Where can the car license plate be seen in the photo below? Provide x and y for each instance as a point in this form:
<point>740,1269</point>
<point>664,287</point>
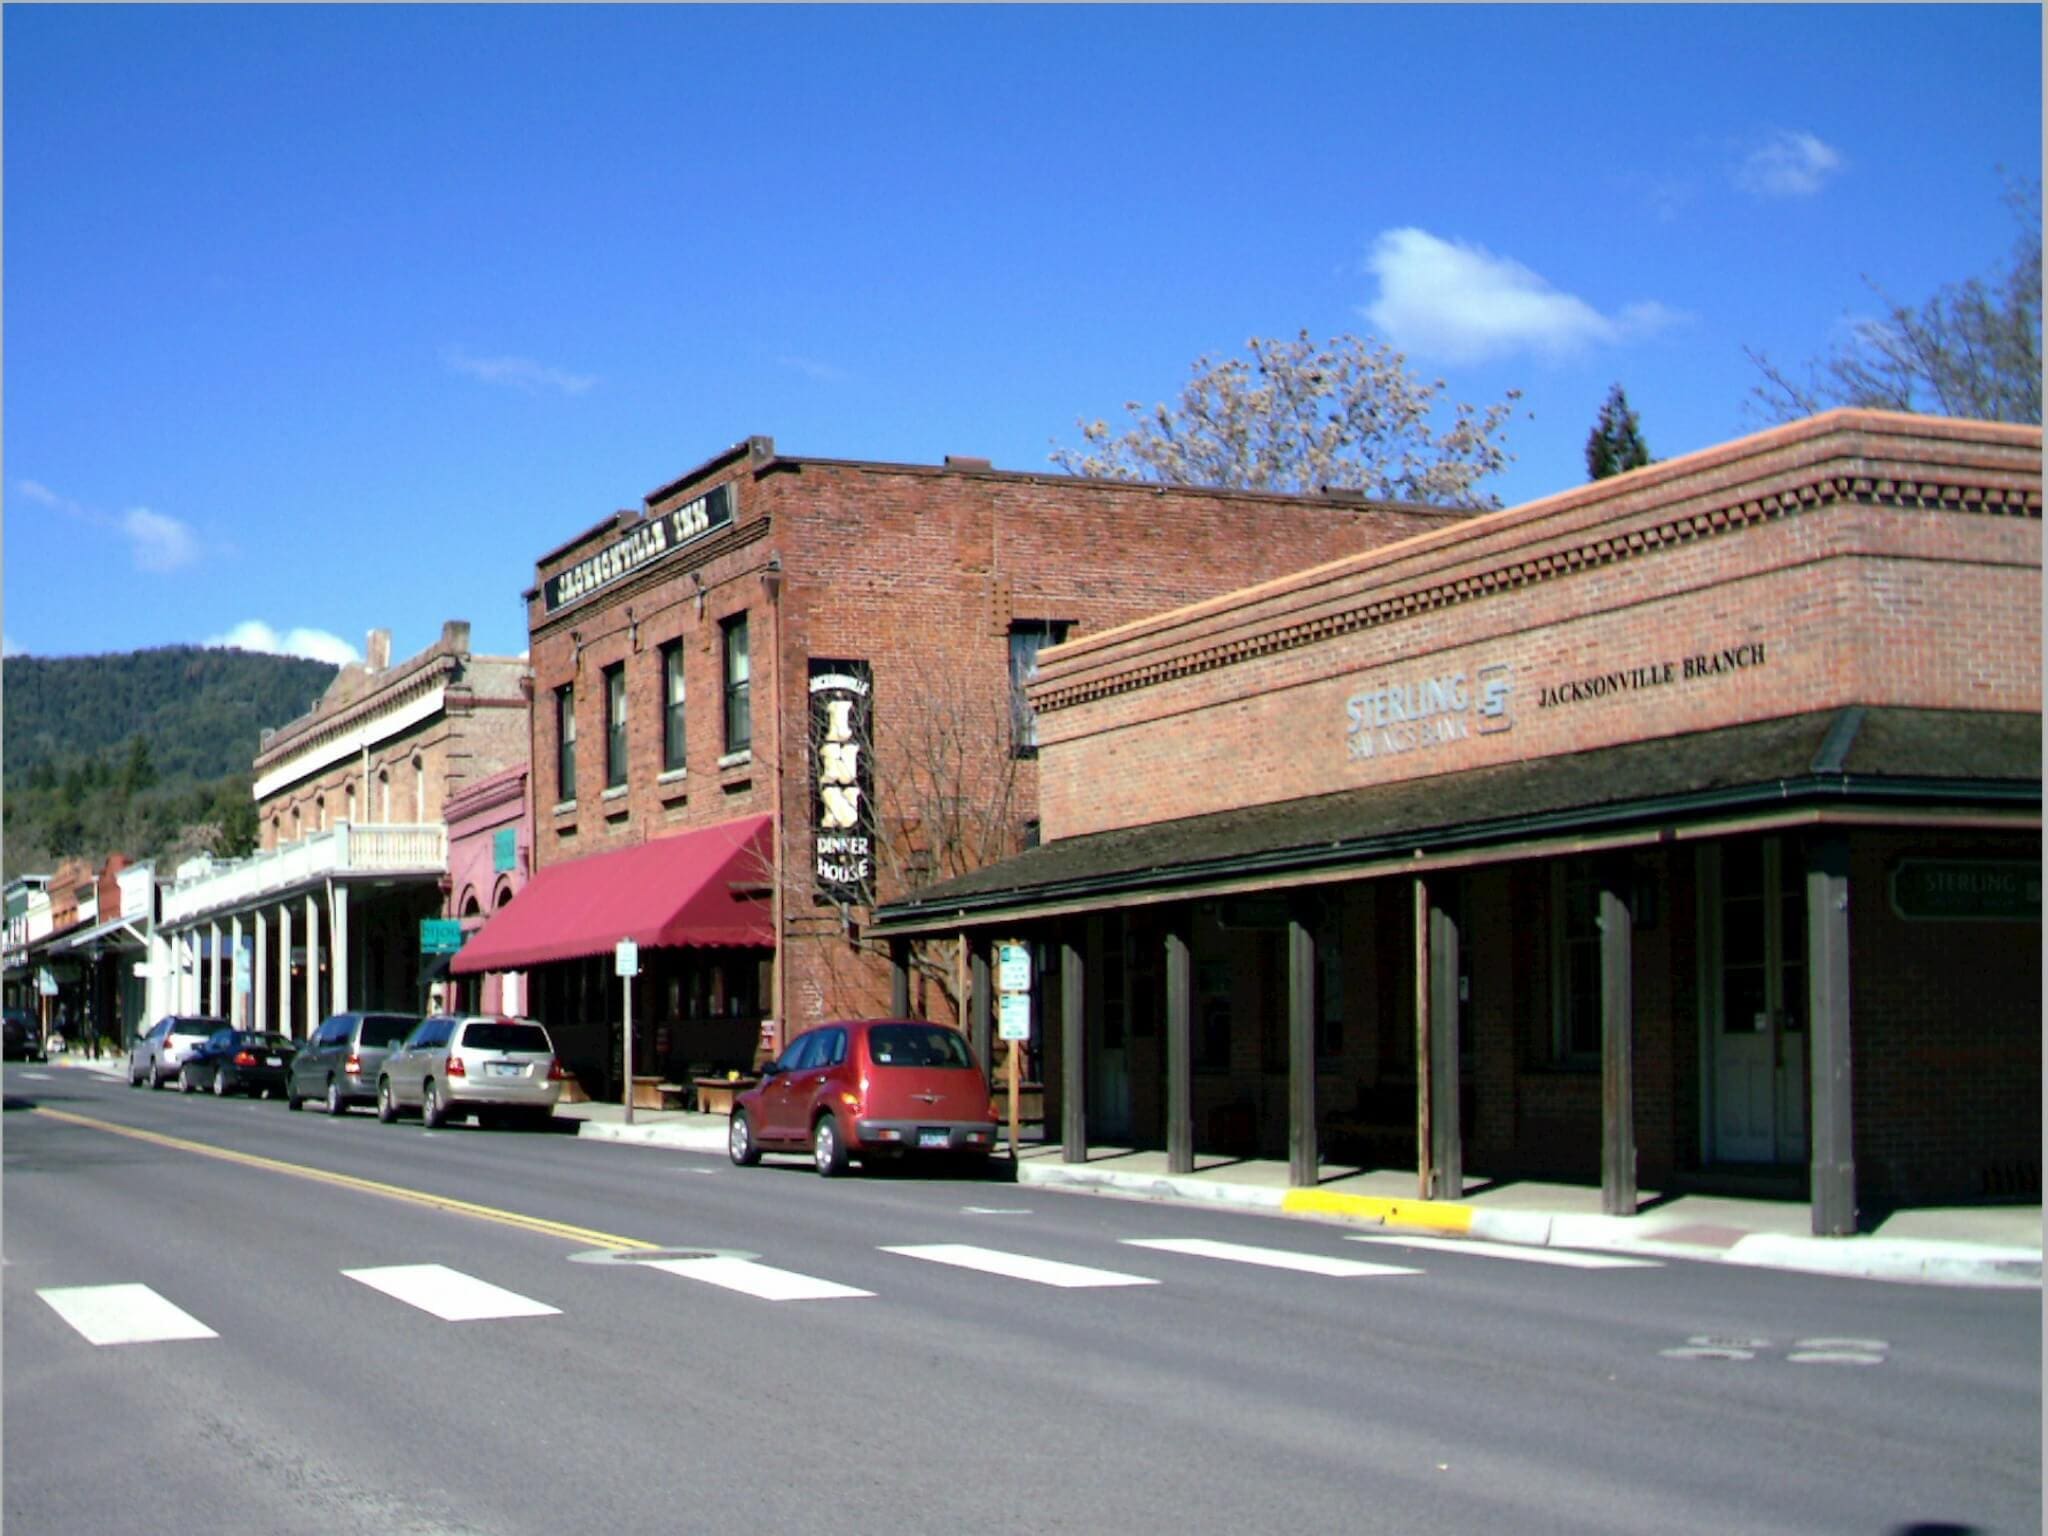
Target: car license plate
<point>933,1139</point>
<point>505,1069</point>
<point>273,1061</point>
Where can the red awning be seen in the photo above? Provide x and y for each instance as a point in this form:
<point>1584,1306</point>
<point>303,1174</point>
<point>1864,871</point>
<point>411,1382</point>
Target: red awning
<point>708,888</point>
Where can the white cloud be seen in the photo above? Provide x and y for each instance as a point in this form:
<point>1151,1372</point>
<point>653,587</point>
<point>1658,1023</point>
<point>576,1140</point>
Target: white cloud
<point>156,542</point>
<point>810,368</point>
<point>36,491</point>
<point>1788,165</point>
<point>1463,303</point>
<point>8,647</point>
<point>314,644</point>
<point>519,373</point>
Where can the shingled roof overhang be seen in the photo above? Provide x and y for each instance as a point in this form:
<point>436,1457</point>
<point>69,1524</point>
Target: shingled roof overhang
<point>1873,765</point>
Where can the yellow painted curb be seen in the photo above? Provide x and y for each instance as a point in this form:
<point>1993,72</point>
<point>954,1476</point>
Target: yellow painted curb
<point>1433,1215</point>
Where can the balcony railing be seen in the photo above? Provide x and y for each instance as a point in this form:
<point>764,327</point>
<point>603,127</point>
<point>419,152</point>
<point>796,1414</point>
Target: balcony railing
<point>343,849</point>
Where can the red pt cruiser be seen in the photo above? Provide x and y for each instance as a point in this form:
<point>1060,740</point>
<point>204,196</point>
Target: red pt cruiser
<point>867,1088</point>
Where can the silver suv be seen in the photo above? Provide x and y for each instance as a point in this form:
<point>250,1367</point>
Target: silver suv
<point>454,1066</point>
<point>339,1065</point>
<point>160,1050</point>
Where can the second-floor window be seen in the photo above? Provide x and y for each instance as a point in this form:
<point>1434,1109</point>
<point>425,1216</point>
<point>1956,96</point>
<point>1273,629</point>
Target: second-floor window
<point>739,708</point>
<point>1027,638</point>
<point>614,726</point>
<point>565,742</point>
<point>674,737</point>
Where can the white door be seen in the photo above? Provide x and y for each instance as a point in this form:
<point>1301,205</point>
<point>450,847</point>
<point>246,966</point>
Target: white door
<point>1753,908</point>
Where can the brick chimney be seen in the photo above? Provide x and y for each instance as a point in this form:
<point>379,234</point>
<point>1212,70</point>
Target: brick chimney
<point>377,651</point>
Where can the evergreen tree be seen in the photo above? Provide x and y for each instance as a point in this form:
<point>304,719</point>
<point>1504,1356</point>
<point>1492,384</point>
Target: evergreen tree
<point>1616,441</point>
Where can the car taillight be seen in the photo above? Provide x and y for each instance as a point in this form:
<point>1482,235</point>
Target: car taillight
<point>555,1071</point>
<point>245,1058</point>
<point>456,1068</point>
<point>353,1065</point>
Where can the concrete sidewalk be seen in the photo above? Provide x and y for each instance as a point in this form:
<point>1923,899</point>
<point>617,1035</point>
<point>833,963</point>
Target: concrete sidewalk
<point>1991,1245</point>
<point>1997,1245</point>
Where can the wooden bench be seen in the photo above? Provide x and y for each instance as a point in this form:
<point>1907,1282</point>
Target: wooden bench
<point>715,1094</point>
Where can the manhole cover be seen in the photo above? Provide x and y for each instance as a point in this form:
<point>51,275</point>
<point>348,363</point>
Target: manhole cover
<point>654,1255</point>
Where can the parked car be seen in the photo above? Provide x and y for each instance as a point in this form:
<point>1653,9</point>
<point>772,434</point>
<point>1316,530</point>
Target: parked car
<point>867,1088</point>
<point>238,1061</point>
<point>23,1036</point>
<point>339,1065</point>
<point>453,1066</point>
<point>160,1050</point>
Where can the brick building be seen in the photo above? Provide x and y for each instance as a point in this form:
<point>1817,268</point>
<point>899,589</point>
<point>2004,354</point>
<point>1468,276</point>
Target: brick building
<point>490,855</point>
<point>1686,824</point>
<point>783,686</point>
<point>353,850</point>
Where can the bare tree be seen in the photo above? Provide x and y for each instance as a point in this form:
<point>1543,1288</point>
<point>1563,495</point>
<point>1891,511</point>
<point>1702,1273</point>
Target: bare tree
<point>947,799</point>
<point>1303,416</point>
<point>1973,350</point>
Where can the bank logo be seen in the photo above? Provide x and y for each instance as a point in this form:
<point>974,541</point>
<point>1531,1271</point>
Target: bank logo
<point>1426,712</point>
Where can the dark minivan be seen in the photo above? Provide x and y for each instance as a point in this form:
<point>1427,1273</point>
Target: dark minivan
<point>339,1064</point>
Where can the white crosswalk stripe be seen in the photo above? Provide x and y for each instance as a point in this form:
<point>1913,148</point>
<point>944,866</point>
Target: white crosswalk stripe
<point>1018,1266</point>
<point>1270,1258</point>
<point>756,1279</point>
<point>123,1314</point>
<point>1520,1253</point>
<point>449,1294</point>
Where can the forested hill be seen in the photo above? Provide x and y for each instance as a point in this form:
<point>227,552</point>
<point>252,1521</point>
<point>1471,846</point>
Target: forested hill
<point>145,753</point>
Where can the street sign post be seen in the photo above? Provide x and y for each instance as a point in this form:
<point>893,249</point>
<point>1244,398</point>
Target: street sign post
<point>1013,1017</point>
<point>626,961</point>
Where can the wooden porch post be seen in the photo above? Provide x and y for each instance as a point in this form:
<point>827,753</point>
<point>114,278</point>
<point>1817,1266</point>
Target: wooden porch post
<point>899,978</point>
<point>1827,969</point>
<point>1617,1051</point>
<point>1073,1076</point>
<point>1447,1156</point>
<point>981,1035</point>
<point>1180,1041</point>
<point>1302,1152</point>
<point>1425,1170</point>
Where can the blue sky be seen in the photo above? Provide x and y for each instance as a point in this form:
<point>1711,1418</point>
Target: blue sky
<point>319,320</point>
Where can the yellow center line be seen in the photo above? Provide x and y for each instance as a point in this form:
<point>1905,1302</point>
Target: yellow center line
<point>584,1235</point>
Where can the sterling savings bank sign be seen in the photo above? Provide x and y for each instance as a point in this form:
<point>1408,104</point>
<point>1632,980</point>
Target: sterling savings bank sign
<point>1411,715</point>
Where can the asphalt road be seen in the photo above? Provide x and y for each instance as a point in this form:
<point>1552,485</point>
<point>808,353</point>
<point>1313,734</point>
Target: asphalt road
<point>633,1370</point>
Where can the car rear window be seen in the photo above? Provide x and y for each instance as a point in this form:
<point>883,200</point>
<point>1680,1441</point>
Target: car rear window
<point>199,1027</point>
<point>264,1042</point>
<point>505,1037</point>
<point>386,1029</point>
<point>916,1045</point>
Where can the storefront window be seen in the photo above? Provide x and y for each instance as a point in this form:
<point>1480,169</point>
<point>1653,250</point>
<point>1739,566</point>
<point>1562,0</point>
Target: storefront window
<point>1575,962</point>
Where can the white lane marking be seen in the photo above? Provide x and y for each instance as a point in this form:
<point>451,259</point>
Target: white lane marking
<point>448,1293</point>
<point>996,1210</point>
<point>38,1077</point>
<point>1833,1357</point>
<point>752,1279</point>
<point>1018,1266</point>
<point>123,1314</point>
<point>1272,1258</point>
<point>1564,1258</point>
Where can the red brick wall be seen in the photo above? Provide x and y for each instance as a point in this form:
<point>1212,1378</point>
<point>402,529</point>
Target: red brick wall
<point>1947,1054</point>
<point>917,571</point>
<point>1857,592</point>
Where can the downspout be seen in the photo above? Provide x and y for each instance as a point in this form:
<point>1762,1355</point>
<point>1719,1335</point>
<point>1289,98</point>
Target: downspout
<point>771,582</point>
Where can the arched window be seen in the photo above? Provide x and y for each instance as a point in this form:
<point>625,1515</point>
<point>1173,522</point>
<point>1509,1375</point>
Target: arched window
<point>319,813</point>
<point>349,805</point>
<point>419,788</point>
<point>384,794</point>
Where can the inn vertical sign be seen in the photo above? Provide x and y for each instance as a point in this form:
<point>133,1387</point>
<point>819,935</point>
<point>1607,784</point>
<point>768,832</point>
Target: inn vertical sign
<point>842,782</point>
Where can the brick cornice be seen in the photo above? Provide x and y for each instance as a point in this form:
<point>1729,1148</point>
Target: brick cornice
<point>1515,573</point>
